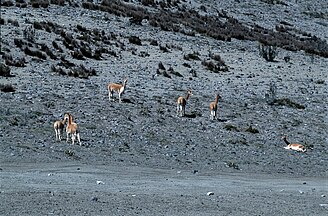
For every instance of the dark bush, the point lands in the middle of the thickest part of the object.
(40, 3)
(153, 42)
(82, 72)
(64, 62)
(77, 54)
(21, 3)
(13, 22)
(135, 40)
(287, 102)
(268, 52)
(90, 6)
(163, 49)
(35, 53)
(172, 71)
(2, 21)
(5, 70)
(58, 70)
(250, 129)
(19, 42)
(58, 2)
(29, 33)
(56, 46)
(161, 66)
(193, 56)
(136, 20)
(7, 3)
(7, 88)
(48, 51)
(148, 2)
(81, 28)
(11, 62)
(215, 67)
(37, 25)
(86, 51)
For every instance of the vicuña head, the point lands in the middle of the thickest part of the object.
(181, 103)
(71, 128)
(118, 88)
(214, 107)
(293, 146)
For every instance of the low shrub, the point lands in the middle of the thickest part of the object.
(7, 88)
(4, 70)
(29, 33)
(268, 52)
(135, 40)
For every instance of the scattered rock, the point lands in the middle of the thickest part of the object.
(95, 199)
(210, 193)
(100, 182)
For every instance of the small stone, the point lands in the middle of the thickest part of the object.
(100, 182)
(301, 192)
(210, 193)
(50, 174)
(95, 199)
(323, 195)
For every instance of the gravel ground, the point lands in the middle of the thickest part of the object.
(148, 160)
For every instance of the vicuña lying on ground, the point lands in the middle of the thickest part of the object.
(181, 103)
(59, 126)
(293, 146)
(71, 128)
(214, 107)
(119, 88)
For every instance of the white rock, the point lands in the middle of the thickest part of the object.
(210, 193)
(100, 182)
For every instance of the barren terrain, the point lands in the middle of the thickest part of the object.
(138, 156)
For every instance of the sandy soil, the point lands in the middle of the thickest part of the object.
(149, 161)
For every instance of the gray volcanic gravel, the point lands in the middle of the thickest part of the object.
(138, 156)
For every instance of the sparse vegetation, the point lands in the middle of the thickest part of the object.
(35, 53)
(4, 70)
(82, 72)
(250, 129)
(7, 88)
(39, 3)
(13, 22)
(135, 40)
(20, 62)
(29, 34)
(287, 102)
(192, 56)
(268, 52)
(232, 165)
(230, 127)
(69, 152)
(7, 3)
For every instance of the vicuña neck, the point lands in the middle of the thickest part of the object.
(286, 141)
(188, 95)
(217, 99)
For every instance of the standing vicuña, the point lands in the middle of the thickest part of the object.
(72, 128)
(214, 107)
(119, 88)
(59, 126)
(181, 103)
(293, 146)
